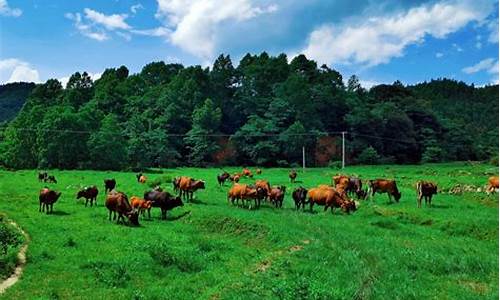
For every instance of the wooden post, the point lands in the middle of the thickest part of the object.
(303, 159)
(343, 149)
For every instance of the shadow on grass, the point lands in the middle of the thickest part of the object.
(178, 217)
(59, 213)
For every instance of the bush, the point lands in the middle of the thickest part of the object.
(432, 154)
(369, 156)
(335, 164)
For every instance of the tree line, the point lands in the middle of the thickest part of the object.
(261, 112)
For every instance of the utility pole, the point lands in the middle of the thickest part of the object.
(303, 159)
(343, 149)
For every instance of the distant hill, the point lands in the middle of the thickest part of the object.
(12, 98)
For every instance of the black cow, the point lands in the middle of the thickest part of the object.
(164, 200)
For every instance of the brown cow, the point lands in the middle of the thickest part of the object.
(142, 179)
(299, 196)
(292, 175)
(221, 178)
(425, 189)
(109, 185)
(277, 195)
(384, 186)
(89, 193)
(117, 202)
(247, 173)
(188, 186)
(47, 199)
(258, 171)
(141, 205)
(164, 200)
(492, 184)
(244, 193)
(264, 184)
(235, 178)
(328, 197)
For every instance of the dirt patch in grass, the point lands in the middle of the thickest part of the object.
(480, 288)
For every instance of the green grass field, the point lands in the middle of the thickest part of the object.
(209, 249)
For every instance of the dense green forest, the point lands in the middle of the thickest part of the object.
(12, 98)
(261, 112)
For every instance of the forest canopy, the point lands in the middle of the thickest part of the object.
(261, 112)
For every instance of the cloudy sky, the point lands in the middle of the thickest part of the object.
(380, 41)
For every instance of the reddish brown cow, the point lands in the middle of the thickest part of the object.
(188, 186)
(47, 199)
(264, 184)
(142, 179)
(299, 196)
(492, 184)
(235, 178)
(221, 178)
(117, 203)
(425, 189)
(277, 195)
(292, 175)
(247, 173)
(141, 205)
(384, 186)
(328, 197)
(89, 193)
(244, 193)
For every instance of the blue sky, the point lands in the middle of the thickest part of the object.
(380, 41)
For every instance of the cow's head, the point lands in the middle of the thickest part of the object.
(80, 194)
(397, 196)
(177, 201)
(133, 217)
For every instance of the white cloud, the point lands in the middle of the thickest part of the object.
(457, 47)
(489, 64)
(6, 10)
(195, 23)
(110, 22)
(135, 8)
(158, 32)
(376, 40)
(86, 29)
(368, 84)
(19, 71)
(439, 54)
(493, 27)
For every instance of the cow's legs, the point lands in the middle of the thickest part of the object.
(40, 208)
(419, 201)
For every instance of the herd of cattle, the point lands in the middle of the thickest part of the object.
(339, 194)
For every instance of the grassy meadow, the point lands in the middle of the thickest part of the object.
(209, 249)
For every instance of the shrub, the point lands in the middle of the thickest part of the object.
(432, 154)
(335, 164)
(369, 156)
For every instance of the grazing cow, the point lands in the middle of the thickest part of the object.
(244, 193)
(247, 173)
(299, 196)
(47, 199)
(235, 178)
(221, 178)
(188, 186)
(176, 183)
(384, 186)
(51, 179)
(42, 176)
(164, 200)
(117, 203)
(328, 197)
(142, 179)
(277, 195)
(89, 193)
(138, 176)
(109, 185)
(292, 175)
(425, 189)
(258, 171)
(492, 184)
(264, 184)
(350, 185)
(141, 205)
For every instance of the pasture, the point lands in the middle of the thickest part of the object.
(209, 249)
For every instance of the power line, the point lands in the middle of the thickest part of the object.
(263, 135)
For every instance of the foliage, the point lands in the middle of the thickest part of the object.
(369, 156)
(261, 112)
